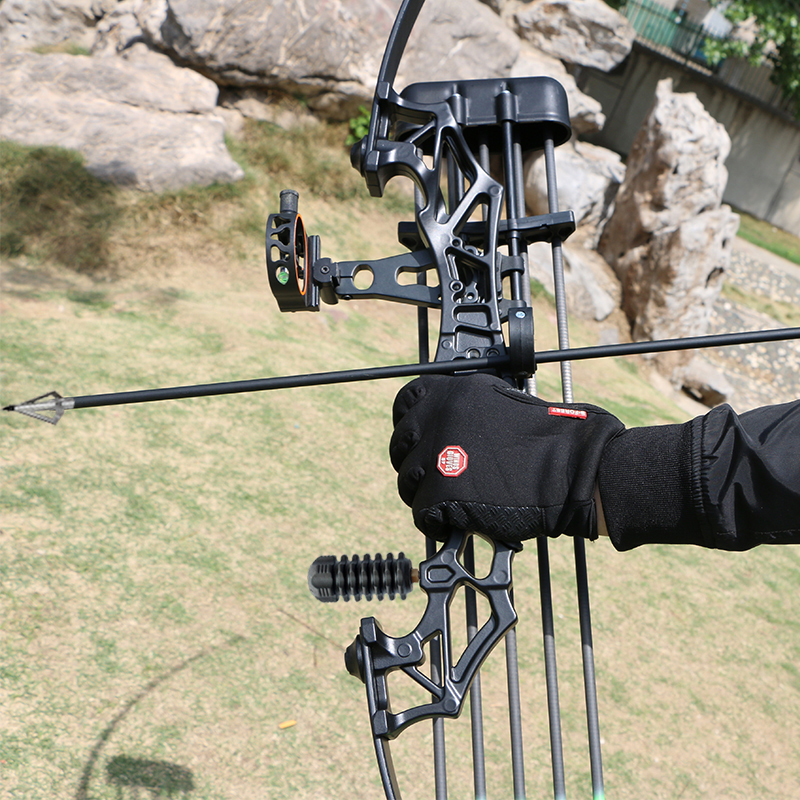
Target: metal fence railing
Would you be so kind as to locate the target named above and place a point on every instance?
(671, 32)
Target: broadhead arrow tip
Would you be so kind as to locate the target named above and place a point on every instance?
(52, 404)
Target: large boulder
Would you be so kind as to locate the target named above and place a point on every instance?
(592, 290)
(457, 39)
(585, 32)
(139, 121)
(588, 180)
(329, 52)
(669, 238)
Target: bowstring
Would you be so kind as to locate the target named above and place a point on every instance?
(584, 610)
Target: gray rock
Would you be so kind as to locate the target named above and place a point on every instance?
(585, 32)
(592, 289)
(588, 179)
(669, 238)
(252, 104)
(458, 39)
(119, 29)
(25, 24)
(138, 121)
(328, 51)
(705, 383)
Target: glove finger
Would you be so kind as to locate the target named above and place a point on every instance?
(431, 522)
(407, 398)
(408, 481)
(404, 439)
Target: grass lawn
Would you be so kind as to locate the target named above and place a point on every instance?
(157, 628)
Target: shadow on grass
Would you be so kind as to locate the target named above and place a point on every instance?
(124, 770)
(158, 777)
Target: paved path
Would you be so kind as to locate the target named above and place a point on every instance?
(764, 373)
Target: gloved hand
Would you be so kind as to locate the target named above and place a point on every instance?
(474, 454)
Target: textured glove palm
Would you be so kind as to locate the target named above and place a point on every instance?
(474, 454)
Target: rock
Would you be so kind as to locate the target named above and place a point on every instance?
(498, 6)
(25, 24)
(588, 179)
(458, 40)
(253, 104)
(705, 383)
(585, 113)
(592, 289)
(327, 51)
(585, 32)
(138, 121)
(119, 29)
(669, 238)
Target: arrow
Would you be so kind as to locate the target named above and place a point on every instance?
(50, 407)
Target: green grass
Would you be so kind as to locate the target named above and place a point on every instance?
(156, 619)
(771, 238)
(52, 208)
(69, 48)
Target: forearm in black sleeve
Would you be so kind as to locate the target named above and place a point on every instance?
(723, 481)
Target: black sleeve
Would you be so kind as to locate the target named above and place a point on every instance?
(724, 481)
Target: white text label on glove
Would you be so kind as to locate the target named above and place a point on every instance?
(452, 461)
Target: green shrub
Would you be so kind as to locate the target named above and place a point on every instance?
(359, 126)
(53, 208)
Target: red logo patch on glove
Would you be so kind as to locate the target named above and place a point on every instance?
(574, 413)
(452, 461)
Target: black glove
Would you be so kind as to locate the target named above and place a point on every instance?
(474, 454)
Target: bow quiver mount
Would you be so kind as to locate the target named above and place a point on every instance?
(462, 143)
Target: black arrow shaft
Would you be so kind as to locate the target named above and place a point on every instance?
(284, 382)
(668, 345)
(431, 368)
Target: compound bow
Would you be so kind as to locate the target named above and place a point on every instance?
(471, 237)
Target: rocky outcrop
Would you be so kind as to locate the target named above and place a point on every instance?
(457, 39)
(669, 238)
(328, 51)
(139, 121)
(592, 289)
(588, 33)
